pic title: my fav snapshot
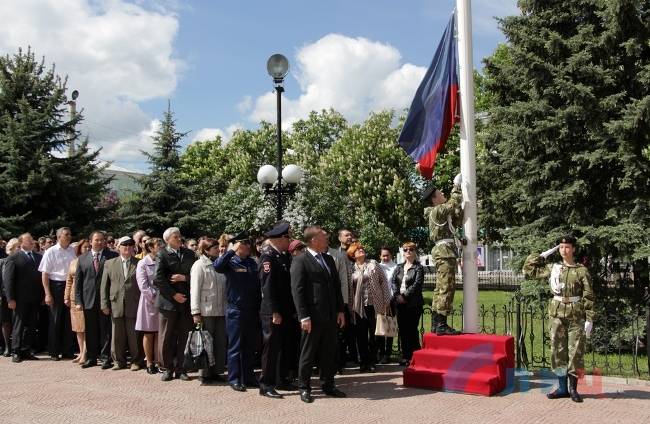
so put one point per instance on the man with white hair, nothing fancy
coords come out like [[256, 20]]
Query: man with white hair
[[173, 267]]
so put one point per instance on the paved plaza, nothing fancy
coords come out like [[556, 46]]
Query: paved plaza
[[47, 392]]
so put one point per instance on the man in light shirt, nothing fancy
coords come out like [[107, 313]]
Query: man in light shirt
[[54, 271]]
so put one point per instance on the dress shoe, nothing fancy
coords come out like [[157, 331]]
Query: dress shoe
[[55, 357], [107, 365], [7, 353], [89, 363], [305, 396], [183, 376], [167, 375], [119, 366], [135, 367], [270, 392], [333, 391], [16, 358], [152, 369], [238, 387]]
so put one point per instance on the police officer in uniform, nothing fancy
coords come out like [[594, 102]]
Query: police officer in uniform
[[242, 311], [571, 313], [277, 312], [443, 217]]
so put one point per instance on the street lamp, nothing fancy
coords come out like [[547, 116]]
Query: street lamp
[[73, 112], [288, 178]]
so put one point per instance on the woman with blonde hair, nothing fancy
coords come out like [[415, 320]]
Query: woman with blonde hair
[[368, 295], [407, 282], [76, 315]]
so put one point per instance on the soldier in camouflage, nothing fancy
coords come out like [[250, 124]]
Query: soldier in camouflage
[[443, 217], [571, 313]]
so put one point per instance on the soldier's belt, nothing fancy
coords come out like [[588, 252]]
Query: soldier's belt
[[569, 299], [443, 241]]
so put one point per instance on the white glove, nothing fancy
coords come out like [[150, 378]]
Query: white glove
[[458, 179], [549, 252], [588, 327]]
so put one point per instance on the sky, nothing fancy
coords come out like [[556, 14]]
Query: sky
[[208, 58]]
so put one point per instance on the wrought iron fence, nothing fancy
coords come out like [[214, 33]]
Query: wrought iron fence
[[618, 344], [487, 280]]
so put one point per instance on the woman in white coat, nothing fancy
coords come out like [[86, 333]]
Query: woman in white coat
[[208, 305]]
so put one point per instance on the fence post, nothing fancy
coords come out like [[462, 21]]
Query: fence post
[[518, 330]]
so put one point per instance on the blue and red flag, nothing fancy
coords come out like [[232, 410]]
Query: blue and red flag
[[433, 111]]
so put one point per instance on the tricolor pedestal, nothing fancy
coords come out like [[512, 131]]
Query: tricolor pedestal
[[470, 363]]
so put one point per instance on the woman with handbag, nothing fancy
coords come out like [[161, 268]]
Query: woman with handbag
[[368, 295], [407, 282], [208, 305]]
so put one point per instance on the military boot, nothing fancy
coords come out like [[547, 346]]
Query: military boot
[[573, 389], [561, 391], [435, 321], [442, 329]]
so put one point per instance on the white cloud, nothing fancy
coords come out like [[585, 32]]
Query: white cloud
[[126, 151], [245, 105], [206, 134], [352, 75], [114, 52]]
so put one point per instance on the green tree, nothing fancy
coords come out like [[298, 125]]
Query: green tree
[[41, 188], [570, 122], [166, 199]]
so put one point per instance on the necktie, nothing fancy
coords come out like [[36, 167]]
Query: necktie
[[125, 268], [96, 261], [29, 254], [321, 261]]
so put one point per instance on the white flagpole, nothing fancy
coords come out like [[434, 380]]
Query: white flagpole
[[468, 165]]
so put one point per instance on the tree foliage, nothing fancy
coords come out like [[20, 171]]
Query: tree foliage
[[569, 122], [42, 188]]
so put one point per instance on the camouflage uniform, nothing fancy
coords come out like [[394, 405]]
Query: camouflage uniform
[[567, 317], [444, 253]]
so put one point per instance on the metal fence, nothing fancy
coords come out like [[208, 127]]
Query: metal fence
[[618, 344], [487, 280]]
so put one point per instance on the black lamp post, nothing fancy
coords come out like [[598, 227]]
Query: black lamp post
[[278, 66]]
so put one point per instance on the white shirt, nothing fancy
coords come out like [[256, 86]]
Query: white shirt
[[56, 262], [407, 266], [389, 269]]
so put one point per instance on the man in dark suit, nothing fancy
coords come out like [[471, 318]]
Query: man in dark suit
[[24, 291], [172, 279], [316, 290], [277, 312], [120, 296], [88, 277]]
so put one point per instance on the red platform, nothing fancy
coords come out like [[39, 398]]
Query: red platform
[[469, 363]]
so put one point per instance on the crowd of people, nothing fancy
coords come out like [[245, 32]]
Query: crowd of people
[[288, 305]]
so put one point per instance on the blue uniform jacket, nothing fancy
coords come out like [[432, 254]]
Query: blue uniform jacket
[[242, 284]]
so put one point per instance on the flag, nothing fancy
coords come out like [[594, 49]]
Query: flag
[[433, 111]]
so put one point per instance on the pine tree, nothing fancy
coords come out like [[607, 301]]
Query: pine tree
[[40, 188], [570, 122], [166, 199]]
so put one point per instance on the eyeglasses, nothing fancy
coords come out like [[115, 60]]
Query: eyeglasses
[[409, 249]]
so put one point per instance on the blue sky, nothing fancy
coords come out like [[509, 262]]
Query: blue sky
[[209, 58]]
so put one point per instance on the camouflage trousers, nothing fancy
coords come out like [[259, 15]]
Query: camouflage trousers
[[567, 346], [443, 295]]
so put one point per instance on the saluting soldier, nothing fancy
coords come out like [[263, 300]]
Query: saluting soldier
[[242, 311], [571, 312], [277, 312], [443, 217]]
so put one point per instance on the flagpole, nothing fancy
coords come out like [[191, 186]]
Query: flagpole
[[468, 165]]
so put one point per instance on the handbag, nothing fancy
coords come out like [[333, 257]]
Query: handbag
[[198, 350], [386, 325]]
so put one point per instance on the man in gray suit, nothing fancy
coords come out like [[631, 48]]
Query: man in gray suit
[[119, 298], [88, 277]]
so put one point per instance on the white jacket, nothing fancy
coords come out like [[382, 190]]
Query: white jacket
[[207, 289]]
